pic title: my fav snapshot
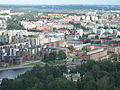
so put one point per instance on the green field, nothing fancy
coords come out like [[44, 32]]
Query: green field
[[36, 64]]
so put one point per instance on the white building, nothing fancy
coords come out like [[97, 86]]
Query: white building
[[5, 11], [80, 32]]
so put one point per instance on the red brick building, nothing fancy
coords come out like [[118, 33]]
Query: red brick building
[[94, 54]]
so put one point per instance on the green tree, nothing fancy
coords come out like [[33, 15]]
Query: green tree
[[71, 48], [38, 86], [61, 55], [13, 25], [88, 41], [86, 48], [62, 84], [97, 37], [102, 84], [45, 58], [90, 85], [53, 56]]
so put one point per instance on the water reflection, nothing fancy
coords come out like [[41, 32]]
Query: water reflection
[[12, 74]]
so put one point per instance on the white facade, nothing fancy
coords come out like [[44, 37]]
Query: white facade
[[80, 32], [5, 11]]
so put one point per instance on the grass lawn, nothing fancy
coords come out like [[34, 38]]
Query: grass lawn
[[75, 58], [36, 64], [7, 66], [58, 62]]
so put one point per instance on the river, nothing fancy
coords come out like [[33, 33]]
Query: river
[[13, 73]]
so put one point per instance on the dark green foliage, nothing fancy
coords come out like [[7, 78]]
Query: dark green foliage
[[52, 56], [28, 17], [102, 75], [62, 84], [61, 55], [1, 43], [71, 48], [77, 25], [14, 25], [88, 41], [37, 79], [86, 48], [97, 37], [45, 58]]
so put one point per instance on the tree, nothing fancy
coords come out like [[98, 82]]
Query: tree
[[105, 27], [13, 25], [62, 84], [88, 41], [90, 85], [61, 55], [49, 79], [4, 84], [102, 84], [45, 58], [38, 86], [118, 36], [95, 75], [86, 48], [97, 37], [53, 56], [71, 48]]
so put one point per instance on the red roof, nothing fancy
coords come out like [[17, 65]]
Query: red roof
[[64, 30], [55, 22], [70, 35], [104, 15]]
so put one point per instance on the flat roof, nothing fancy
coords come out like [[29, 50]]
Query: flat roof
[[79, 46]]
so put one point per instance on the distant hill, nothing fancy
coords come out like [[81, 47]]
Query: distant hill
[[82, 7]]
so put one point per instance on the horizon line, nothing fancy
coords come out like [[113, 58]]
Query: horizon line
[[65, 4]]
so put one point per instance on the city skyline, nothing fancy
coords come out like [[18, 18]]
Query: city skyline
[[56, 2]]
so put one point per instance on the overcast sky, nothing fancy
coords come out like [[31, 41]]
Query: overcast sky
[[100, 2]]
